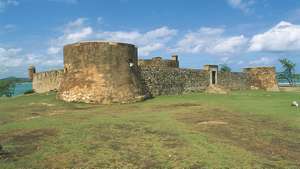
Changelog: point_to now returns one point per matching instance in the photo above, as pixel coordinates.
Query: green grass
(249, 129)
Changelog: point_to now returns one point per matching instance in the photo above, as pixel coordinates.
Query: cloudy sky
(240, 33)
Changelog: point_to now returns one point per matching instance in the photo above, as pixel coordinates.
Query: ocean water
(286, 83)
(22, 87)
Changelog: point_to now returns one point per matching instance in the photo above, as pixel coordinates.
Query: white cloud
(10, 57)
(76, 24)
(263, 61)
(76, 36)
(147, 42)
(148, 49)
(6, 3)
(230, 45)
(122, 36)
(73, 31)
(161, 35)
(79, 30)
(283, 37)
(53, 50)
(243, 5)
(212, 41)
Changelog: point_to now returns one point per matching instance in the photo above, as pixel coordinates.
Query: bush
(7, 88)
(29, 92)
(225, 68)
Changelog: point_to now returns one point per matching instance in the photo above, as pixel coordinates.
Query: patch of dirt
(33, 117)
(264, 137)
(20, 143)
(212, 123)
(42, 104)
(179, 105)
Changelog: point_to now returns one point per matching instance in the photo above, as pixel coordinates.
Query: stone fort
(108, 72)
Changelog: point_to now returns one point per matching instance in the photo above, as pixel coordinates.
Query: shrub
(29, 92)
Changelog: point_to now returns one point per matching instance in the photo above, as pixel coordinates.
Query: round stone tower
(101, 73)
(31, 72)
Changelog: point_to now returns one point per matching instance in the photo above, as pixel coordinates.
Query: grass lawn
(249, 129)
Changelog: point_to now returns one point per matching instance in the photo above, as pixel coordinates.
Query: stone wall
(47, 81)
(159, 81)
(159, 62)
(234, 80)
(262, 78)
(172, 81)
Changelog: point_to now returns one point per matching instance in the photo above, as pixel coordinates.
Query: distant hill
(16, 79)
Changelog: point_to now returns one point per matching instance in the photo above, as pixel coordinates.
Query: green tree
(288, 72)
(224, 68)
(7, 87)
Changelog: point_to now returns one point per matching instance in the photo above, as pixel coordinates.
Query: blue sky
(240, 33)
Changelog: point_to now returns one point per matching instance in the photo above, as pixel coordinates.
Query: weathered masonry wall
(172, 81)
(262, 78)
(47, 81)
(234, 80)
(159, 81)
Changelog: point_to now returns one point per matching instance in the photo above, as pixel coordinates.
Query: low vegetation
(225, 68)
(289, 72)
(7, 85)
(250, 129)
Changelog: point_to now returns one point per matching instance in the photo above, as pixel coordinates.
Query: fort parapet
(159, 62)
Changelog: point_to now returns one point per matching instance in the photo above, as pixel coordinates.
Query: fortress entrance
(213, 77)
(213, 73)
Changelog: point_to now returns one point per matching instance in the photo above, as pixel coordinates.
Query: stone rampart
(172, 81)
(233, 80)
(47, 81)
